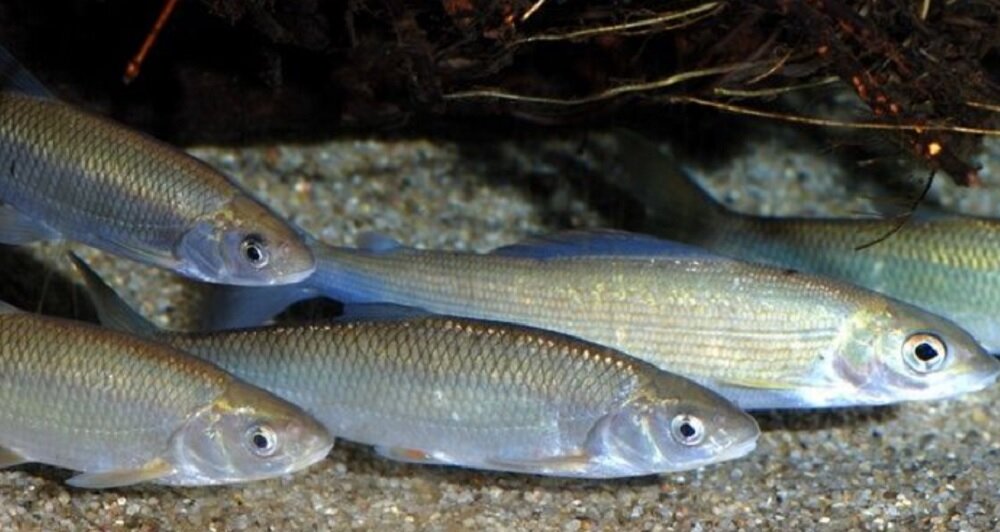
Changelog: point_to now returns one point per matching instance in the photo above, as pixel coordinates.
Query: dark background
(260, 71)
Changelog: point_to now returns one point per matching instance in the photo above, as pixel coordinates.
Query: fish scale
(758, 337)
(67, 174)
(948, 266)
(113, 397)
(464, 392)
(763, 336)
(85, 170)
(122, 410)
(945, 264)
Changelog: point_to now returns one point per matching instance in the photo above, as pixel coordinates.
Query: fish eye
(254, 251)
(924, 352)
(687, 430)
(262, 441)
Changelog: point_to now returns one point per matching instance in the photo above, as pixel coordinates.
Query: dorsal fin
(112, 311)
(599, 242)
(7, 308)
(14, 77)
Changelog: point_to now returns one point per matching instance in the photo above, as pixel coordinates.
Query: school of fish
(587, 354)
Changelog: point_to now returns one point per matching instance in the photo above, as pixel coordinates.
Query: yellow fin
(156, 469)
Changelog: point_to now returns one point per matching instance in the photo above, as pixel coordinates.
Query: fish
(443, 390)
(761, 336)
(68, 174)
(120, 411)
(946, 264)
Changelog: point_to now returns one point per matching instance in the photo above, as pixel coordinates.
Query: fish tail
(675, 203)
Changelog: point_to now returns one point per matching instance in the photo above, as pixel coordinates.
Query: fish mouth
(970, 384)
(738, 450)
(318, 455)
(293, 277)
(735, 452)
(732, 452)
(273, 278)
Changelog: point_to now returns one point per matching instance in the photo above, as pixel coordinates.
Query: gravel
(917, 466)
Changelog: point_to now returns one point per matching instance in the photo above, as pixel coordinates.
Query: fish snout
(735, 435)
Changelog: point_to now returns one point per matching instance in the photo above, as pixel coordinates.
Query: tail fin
(111, 309)
(676, 206)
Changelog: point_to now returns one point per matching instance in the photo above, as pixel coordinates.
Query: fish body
(761, 336)
(444, 390)
(947, 265)
(122, 410)
(65, 173)
(484, 395)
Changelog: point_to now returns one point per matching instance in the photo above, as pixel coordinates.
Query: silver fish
(442, 390)
(122, 410)
(947, 265)
(65, 173)
(761, 336)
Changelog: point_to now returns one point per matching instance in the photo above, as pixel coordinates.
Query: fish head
(248, 434)
(908, 354)
(245, 244)
(675, 433)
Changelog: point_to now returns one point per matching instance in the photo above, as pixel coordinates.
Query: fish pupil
(925, 352)
(260, 441)
(687, 430)
(253, 253)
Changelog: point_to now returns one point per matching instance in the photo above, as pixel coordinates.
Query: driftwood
(924, 75)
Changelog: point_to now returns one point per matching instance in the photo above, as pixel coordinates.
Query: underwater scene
(479, 281)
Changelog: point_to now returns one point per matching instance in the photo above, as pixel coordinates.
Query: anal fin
(9, 458)
(154, 470)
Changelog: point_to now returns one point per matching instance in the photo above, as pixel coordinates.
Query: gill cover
(199, 253)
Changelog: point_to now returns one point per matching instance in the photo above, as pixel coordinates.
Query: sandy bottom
(916, 466)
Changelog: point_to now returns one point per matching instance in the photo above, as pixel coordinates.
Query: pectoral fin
(9, 458)
(153, 470)
(17, 229)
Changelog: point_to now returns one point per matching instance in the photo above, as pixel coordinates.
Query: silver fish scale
(436, 383)
(710, 319)
(99, 179)
(948, 266)
(90, 399)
